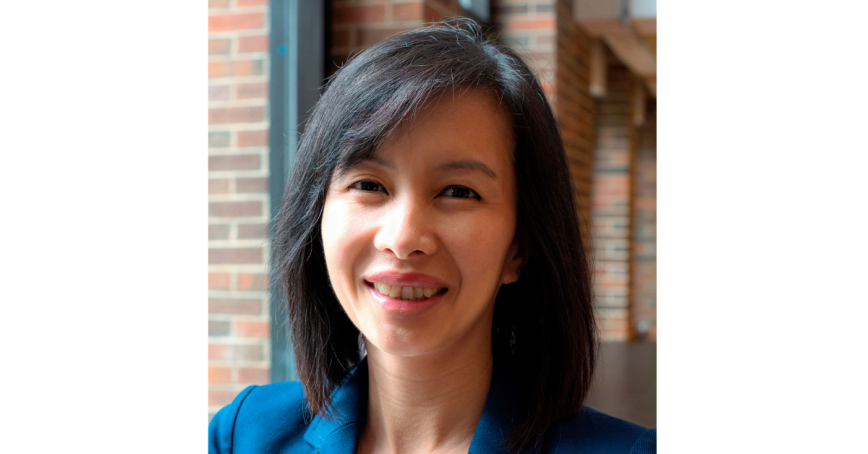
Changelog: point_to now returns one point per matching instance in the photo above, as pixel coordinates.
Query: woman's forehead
(459, 126)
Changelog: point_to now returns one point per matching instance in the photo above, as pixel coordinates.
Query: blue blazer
(272, 419)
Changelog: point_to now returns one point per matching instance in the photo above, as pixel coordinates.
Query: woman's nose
(405, 230)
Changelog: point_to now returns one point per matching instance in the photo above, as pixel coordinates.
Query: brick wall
(530, 28)
(611, 207)
(238, 320)
(359, 24)
(575, 107)
(645, 228)
(558, 51)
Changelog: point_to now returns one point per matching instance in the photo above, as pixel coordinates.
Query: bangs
(388, 116)
(390, 85)
(382, 118)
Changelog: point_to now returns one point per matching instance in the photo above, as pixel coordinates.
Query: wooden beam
(598, 70)
(633, 51)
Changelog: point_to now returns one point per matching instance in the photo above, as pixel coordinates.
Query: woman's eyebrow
(466, 164)
(379, 161)
(340, 171)
(463, 164)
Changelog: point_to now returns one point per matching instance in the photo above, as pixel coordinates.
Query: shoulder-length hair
(544, 330)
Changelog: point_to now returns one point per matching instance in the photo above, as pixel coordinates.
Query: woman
(429, 250)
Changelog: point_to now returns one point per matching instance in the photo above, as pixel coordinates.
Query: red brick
(252, 114)
(252, 2)
(252, 282)
(248, 68)
(510, 9)
(254, 375)
(545, 8)
(408, 11)
(252, 138)
(530, 24)
(219, 46)
(253, 329)
(340, 38)
(252, 231)
(647, 204)
(218, 232)
(219, 69)
(253, 352)
(252, 91)
(218, 93)
(235, 22)
(234, 162)
(544, 40)
(220, 398)
(218, 281)
(344, 14)
(432, 15)
(219, 375)
(220, 186)
(223, 352)
(235, 68)
(252, 185)
(218, 329)
(234, 306)
(234, 255)
(234, 209)
(253, 44)
(368, 37)
(219, 352)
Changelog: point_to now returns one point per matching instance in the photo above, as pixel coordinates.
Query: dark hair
(548, 309)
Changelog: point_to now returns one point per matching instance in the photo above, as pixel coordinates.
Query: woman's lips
(395, 278)
(399, 306)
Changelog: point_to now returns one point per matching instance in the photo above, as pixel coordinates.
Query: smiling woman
(431, 261)
(435, 211)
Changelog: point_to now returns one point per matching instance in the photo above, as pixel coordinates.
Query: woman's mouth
(405, 293)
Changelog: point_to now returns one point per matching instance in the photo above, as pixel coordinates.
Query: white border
(762, 237)
(104, 226)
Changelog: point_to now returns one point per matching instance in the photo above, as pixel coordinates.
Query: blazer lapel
(498, 417)
(340, 433)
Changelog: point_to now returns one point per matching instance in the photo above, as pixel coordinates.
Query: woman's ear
(513, 265)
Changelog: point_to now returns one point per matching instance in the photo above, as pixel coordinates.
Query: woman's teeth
(405, 293)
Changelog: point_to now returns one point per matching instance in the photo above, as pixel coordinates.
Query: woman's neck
(426, 404)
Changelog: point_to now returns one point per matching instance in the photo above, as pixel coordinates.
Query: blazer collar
(340, 433)
(499, 415)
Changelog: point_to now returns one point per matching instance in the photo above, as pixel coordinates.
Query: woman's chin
(404, 342)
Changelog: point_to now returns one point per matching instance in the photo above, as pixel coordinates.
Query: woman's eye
(367, 186)
(460, 192)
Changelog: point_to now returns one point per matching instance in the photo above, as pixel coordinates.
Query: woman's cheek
(339, 220)
(483, 243)
(336, 243)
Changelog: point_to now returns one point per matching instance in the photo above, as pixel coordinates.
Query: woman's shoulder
(258, 417)
(590, 430)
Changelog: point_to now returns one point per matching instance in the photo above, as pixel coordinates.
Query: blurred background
(596, 60)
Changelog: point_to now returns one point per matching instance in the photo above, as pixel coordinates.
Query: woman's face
(419, 238)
